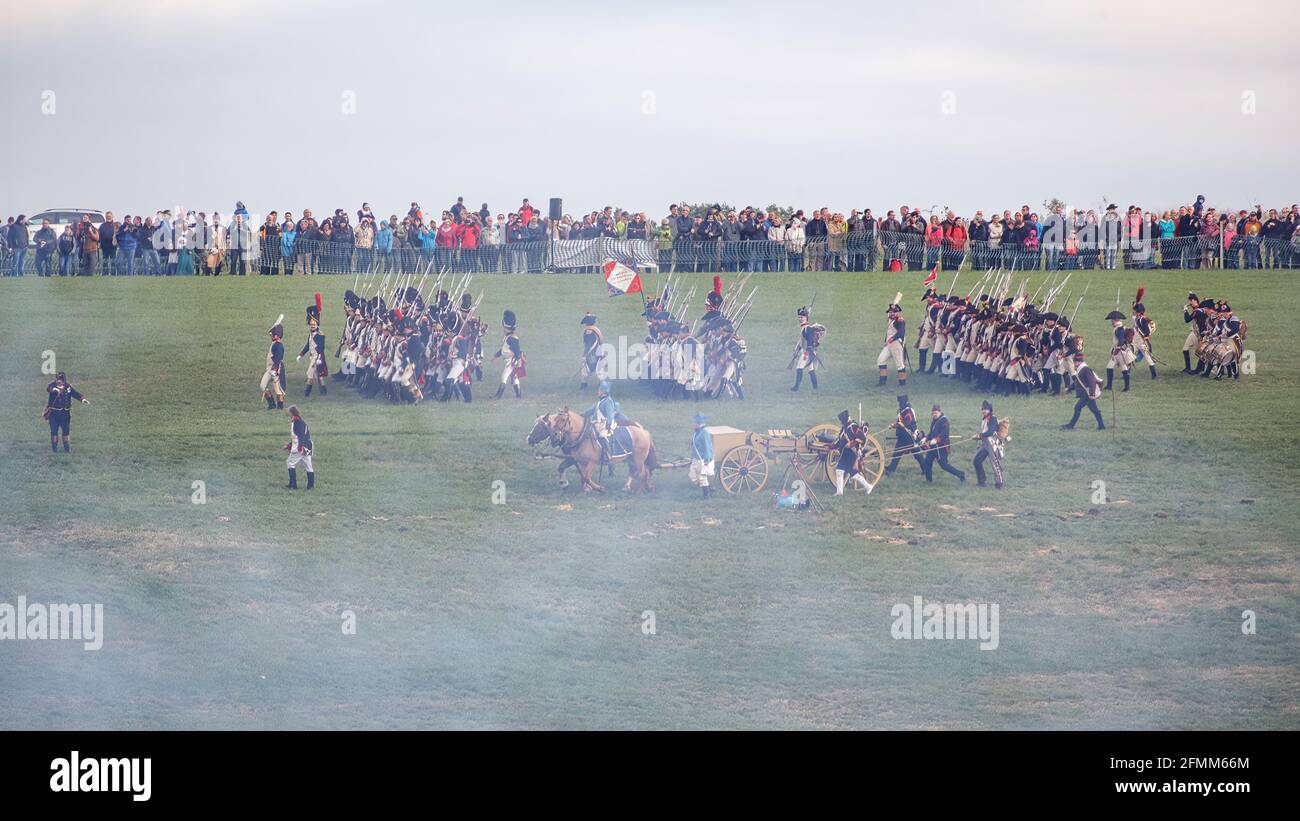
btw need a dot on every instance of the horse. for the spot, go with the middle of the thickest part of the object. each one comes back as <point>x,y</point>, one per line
<point>576,438</point>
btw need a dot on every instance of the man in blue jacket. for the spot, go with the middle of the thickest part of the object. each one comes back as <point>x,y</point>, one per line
<point>701,456</point>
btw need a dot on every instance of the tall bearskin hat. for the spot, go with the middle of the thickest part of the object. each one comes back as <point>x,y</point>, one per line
<point>715,296</point>
<point>443,299</point>
<point>508,320</point>
<point>1207,303</point>
<point>589,319</point>
<point>276,328</point>
<point>986,405</point>
<point>466,301</point>
<point>452,322</point>
<point>803,312</point>
<point>313,310</point>
<point>843,417</point>
<point>902,400</point>
<point>1138,307</point>
<point>350,299</point>
<point>1191,297</point>
<point>895,307</point>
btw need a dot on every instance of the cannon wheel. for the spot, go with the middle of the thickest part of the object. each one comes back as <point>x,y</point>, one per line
<point>743,470</point>
<point>873,461</point>
<point>808,457</point>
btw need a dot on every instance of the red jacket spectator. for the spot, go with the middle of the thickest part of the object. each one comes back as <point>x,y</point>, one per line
<point>468,234</point>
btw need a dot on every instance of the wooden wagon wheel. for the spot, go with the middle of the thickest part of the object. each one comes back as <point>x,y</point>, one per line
<point>743,470</point>
<point>808,457</point>
<point>873,461</point>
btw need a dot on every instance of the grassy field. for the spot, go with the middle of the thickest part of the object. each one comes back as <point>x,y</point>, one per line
<point>528,614</point>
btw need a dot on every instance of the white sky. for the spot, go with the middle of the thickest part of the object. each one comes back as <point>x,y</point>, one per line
<point>164,102</point>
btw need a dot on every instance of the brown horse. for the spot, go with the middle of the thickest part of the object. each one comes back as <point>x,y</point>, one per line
<point>576,438</point>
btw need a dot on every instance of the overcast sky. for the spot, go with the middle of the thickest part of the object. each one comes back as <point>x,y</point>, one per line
<point>287,104</point>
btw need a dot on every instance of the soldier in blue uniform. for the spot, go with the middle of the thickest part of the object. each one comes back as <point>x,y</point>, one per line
<point>907,438</point>
<point>701,456</point>
<point>938,445</point>
<point>1143,327</point>
<point>314,349</point>
<point>1121,353</point>
<point>592,339</point>
<point>805,353</point>
<point>990,446</point>
<point>1087,386</point>
<point>58,410</point>
<point>895,344</point>
<point>604,416</point>
<point>300,449</point>
<point>851,441</point>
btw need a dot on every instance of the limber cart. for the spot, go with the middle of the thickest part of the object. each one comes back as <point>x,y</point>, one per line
<point>744,457</point>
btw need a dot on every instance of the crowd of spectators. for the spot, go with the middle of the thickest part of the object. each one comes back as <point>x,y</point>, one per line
<point>702,238</point>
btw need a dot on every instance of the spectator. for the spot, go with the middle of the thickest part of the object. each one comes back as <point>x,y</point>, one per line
<point>126,246</point>
<point>46,247</point>
<point>87,245</point>
<point>17,240</point>
<point>67,250</point>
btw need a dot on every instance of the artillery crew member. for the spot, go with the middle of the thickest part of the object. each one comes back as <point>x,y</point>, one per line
<point>895,340</point>
<point>1087,387</point>
<point>58,411</point>
<point>907,438</point>
<point>1121,352</point>
<point>300,449</point>
<point>851,442</point>
<point>273,379</point>
<point>991,443</point>
<point>592,350</point>
<point>1196,314</point>
<point>701,456</point>
<point>513,353</point>
<point>314,350</point>
<point>938,445</point>
<point>805,353</point>
<point>1143,327</point>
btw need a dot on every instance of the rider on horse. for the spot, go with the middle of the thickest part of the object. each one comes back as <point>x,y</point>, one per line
<point>603,416</point>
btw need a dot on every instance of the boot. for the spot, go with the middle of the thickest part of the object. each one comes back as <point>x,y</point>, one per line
<point>323,390</point>
<point>54,446</point>
<point>1200,366</point>
<point>500,390</point>
<point>1209,369</point>
<point>293,479</point>
<point>902,380</point>
<point>812,377</point>
<point>884,377</point>
<point>279,404</point>
<point>67,446</point>
<point>519,394</point>
<point>704,492</point>
<point>798,380</point>
<point>464,390</point>
<point>1125,374</point>
<point>308,391</point>
<point>311,479</point>
<point>1187,361</point>
<point>1153,371</point>
<point>1110,377</point>
<point>270,403</point>
<point>923,356</point>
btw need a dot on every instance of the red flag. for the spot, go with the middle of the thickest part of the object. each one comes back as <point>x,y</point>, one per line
<point>621,279</point>
<point>932,276</point>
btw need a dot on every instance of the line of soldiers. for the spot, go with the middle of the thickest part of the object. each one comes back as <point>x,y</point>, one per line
<point>1215,336</point>
<point>412,350</point>
<point>1011,348</point>
<point>401,348</point>
<point>695,360</point>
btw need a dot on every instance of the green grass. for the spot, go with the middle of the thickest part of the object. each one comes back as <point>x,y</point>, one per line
<point>528,614</point>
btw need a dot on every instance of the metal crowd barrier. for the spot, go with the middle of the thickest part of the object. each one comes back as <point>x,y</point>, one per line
<point>850,252</point>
